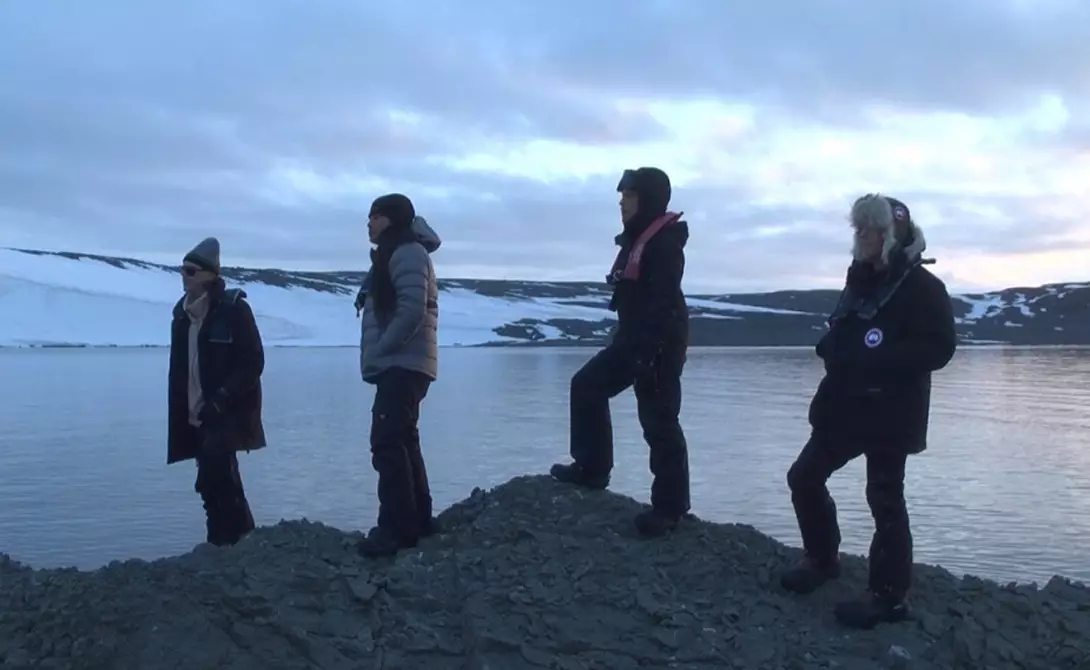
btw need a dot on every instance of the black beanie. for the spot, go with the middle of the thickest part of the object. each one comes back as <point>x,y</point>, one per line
<point>394,206</point>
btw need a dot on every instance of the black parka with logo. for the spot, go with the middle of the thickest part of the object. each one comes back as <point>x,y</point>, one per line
<point>879,356</point>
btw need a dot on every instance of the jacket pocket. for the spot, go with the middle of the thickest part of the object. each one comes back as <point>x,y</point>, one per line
<point>218,331</point>
<point>877,412</point>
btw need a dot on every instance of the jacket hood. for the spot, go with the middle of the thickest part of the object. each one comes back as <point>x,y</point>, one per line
<point>653,188</point>
<point>424,234</point>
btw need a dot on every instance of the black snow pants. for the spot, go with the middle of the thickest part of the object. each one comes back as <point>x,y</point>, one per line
<point>658,404</point>
<point>891,545</point>
<point>404,497</point>
<point>219,483</point>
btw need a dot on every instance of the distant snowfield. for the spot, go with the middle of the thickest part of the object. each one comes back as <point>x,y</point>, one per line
<point>49,300</point>
<point>54,300</point>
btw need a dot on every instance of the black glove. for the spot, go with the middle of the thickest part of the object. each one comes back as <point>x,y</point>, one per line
<point>361,301</point>
<point>826,353</point>
<point>213,409</point>
<point>824,346</point>
<point>212,431</point>
<point>213,439</point>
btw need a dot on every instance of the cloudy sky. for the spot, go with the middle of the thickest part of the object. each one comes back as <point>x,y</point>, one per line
<point>138,127</point>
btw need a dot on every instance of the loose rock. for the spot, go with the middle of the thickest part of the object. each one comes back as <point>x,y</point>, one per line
<point>532,574</point>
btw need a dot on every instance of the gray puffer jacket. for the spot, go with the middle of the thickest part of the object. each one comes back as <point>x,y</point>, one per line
<point>408,338</point>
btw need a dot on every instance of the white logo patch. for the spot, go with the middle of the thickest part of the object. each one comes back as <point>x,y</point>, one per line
<point>873,338</point>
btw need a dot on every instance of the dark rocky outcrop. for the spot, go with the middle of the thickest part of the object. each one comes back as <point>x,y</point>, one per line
<point>532,574</point>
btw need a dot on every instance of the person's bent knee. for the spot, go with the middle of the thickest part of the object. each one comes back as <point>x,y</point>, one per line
<point>800,479</point>
<point>584,386</point>
<point>386,433</point>
<point>666,435</point>
<point>886,499</point>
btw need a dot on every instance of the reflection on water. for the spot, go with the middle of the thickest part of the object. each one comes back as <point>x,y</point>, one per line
<point>1003,491</point>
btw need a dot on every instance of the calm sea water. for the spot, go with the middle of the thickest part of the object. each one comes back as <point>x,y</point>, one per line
<point>1003,491</point>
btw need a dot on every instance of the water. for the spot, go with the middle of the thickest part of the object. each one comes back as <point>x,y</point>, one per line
<point>1003,491</point>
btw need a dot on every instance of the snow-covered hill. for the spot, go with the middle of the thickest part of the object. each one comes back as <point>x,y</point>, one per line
<point>71,299</point>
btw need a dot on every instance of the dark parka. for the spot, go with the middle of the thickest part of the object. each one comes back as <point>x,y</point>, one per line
<point>231,359</point>
<point>652,315</point>
<point>878,364</point>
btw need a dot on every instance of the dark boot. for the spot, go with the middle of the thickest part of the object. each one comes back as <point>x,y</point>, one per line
<point>573,473</point>
<point>220,487</point>
<point>216,531</point>
<point>655,523</point>
<point>239,520</point>
<point>809,575</point>
<point>383,542</point>
<point>421,487</point>
<point>871,610</point>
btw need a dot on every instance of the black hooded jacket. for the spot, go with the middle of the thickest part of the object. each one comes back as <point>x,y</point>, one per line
<point>652,315</point>
<point>231,359</point>
<point>889,332</point>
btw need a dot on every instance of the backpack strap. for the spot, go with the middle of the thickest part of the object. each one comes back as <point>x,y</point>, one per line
<point>231,295</point>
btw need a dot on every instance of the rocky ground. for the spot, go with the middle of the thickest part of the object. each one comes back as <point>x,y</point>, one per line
<point>532,574</point>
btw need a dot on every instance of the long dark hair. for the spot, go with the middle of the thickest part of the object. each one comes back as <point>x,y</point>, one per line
<point>383,292</point>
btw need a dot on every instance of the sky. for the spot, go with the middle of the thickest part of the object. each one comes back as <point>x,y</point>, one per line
<point>137,128</point>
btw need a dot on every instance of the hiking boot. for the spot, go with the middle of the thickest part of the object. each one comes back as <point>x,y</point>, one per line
<point>383,542</point>
<point>809,575</point>
<point>573,473</point>
<point>238,520</point>
<point>655,523</point>
<point>867,612</point>
<point>430,527</point>
<point>215,523</point>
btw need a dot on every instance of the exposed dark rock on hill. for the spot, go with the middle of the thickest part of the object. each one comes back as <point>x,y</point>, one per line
<point>532,574</point>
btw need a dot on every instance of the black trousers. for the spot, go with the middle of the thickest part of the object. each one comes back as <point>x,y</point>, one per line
<point>658,404</point>
<point>219,483</point>
<point>891,545</point>
<point>404,497</point>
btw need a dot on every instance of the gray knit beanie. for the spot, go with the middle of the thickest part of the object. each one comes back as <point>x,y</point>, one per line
<point>205,255</point>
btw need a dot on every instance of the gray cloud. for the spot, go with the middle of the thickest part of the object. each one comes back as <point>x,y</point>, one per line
<point>136,127</point>
<point>970,55</point>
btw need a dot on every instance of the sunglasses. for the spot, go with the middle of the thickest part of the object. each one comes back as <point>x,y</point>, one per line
<point>190,271</point>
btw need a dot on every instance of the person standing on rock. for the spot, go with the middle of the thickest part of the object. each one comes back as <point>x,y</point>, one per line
<point>647,352</point>
<point>399,354</point>
<point>892,327</point>
<point>216,361</point>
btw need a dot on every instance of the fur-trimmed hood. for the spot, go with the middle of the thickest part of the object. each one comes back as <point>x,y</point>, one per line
<point>878,212</point>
